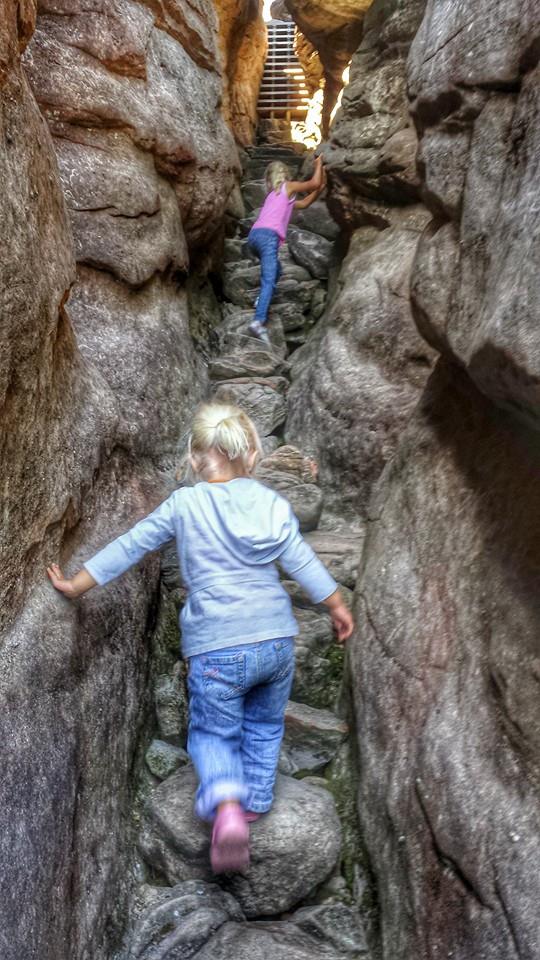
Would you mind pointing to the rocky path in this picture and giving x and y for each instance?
(297, 900)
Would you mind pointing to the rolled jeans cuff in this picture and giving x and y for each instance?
(209, 798)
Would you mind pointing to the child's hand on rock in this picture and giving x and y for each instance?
(342, 620)
(78, 585)
(59, 582)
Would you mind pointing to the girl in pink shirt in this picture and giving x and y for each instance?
(270, 229)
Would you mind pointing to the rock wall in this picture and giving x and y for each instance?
(358, 378)
(446, 660)
(98, 377)
(243, 43)
(334, 29)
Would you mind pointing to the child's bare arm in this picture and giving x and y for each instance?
(307, 201)
(307, 186)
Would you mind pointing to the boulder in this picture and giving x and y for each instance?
(291, 315)
(293, 475)
(311, 251)
(250, 363)
(336, 924)
(254, 194)
(334, 27)
(339, 553)
(233, 250)
(466, 300)
(125, 334)
(263, 399)
(306, 499)
(360, 373)
(72, 676)
(163, 759)
(293, 848)
(317, 219)
(260, 941)
(178, 921)
(312, 739)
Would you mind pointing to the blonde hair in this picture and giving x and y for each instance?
(224, 429)
(276, 174)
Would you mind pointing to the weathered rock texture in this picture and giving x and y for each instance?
(243, 45)
(359, 376)
(95, 390)
(293, 848)
(446, 664)
(371, 154)
(334, 28)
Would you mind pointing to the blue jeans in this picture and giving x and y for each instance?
(265, 244)
(237, 700)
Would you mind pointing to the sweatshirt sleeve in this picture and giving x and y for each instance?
(125, 551)
(301, 563)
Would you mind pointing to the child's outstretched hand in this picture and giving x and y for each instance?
(59, 581)
(79, 584)
(342, 620)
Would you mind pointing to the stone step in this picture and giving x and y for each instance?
(262, 398)
(293, 476)
(241, 283)
(301, 829)
(233, 335)
(312, 739)
(200, 920)
(250, 363)
(339, 552)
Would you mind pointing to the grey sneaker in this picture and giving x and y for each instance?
(258, 330)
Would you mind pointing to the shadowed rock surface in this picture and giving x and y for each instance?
(445, 672)
(360, 373)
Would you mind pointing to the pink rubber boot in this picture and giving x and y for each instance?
(251, 817)
(229, 852)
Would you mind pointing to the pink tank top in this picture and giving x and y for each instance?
(276, 212)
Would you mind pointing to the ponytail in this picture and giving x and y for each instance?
(225, 429)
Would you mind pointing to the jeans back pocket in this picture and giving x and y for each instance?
(224, 674)
(284, 651)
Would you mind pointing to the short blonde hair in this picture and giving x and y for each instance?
(225, 429)
(276, 173)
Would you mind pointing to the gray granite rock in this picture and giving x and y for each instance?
(254, 194)
(293, 476)
(268, 941)
(254, 362)
(163, 759)
(263, 399)
(170, 701)
(179, 920)
(317, 219)
(358, 377)
(233, 335)
(339, 552)
(312, 739)
(311, 251)
(293, 848)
